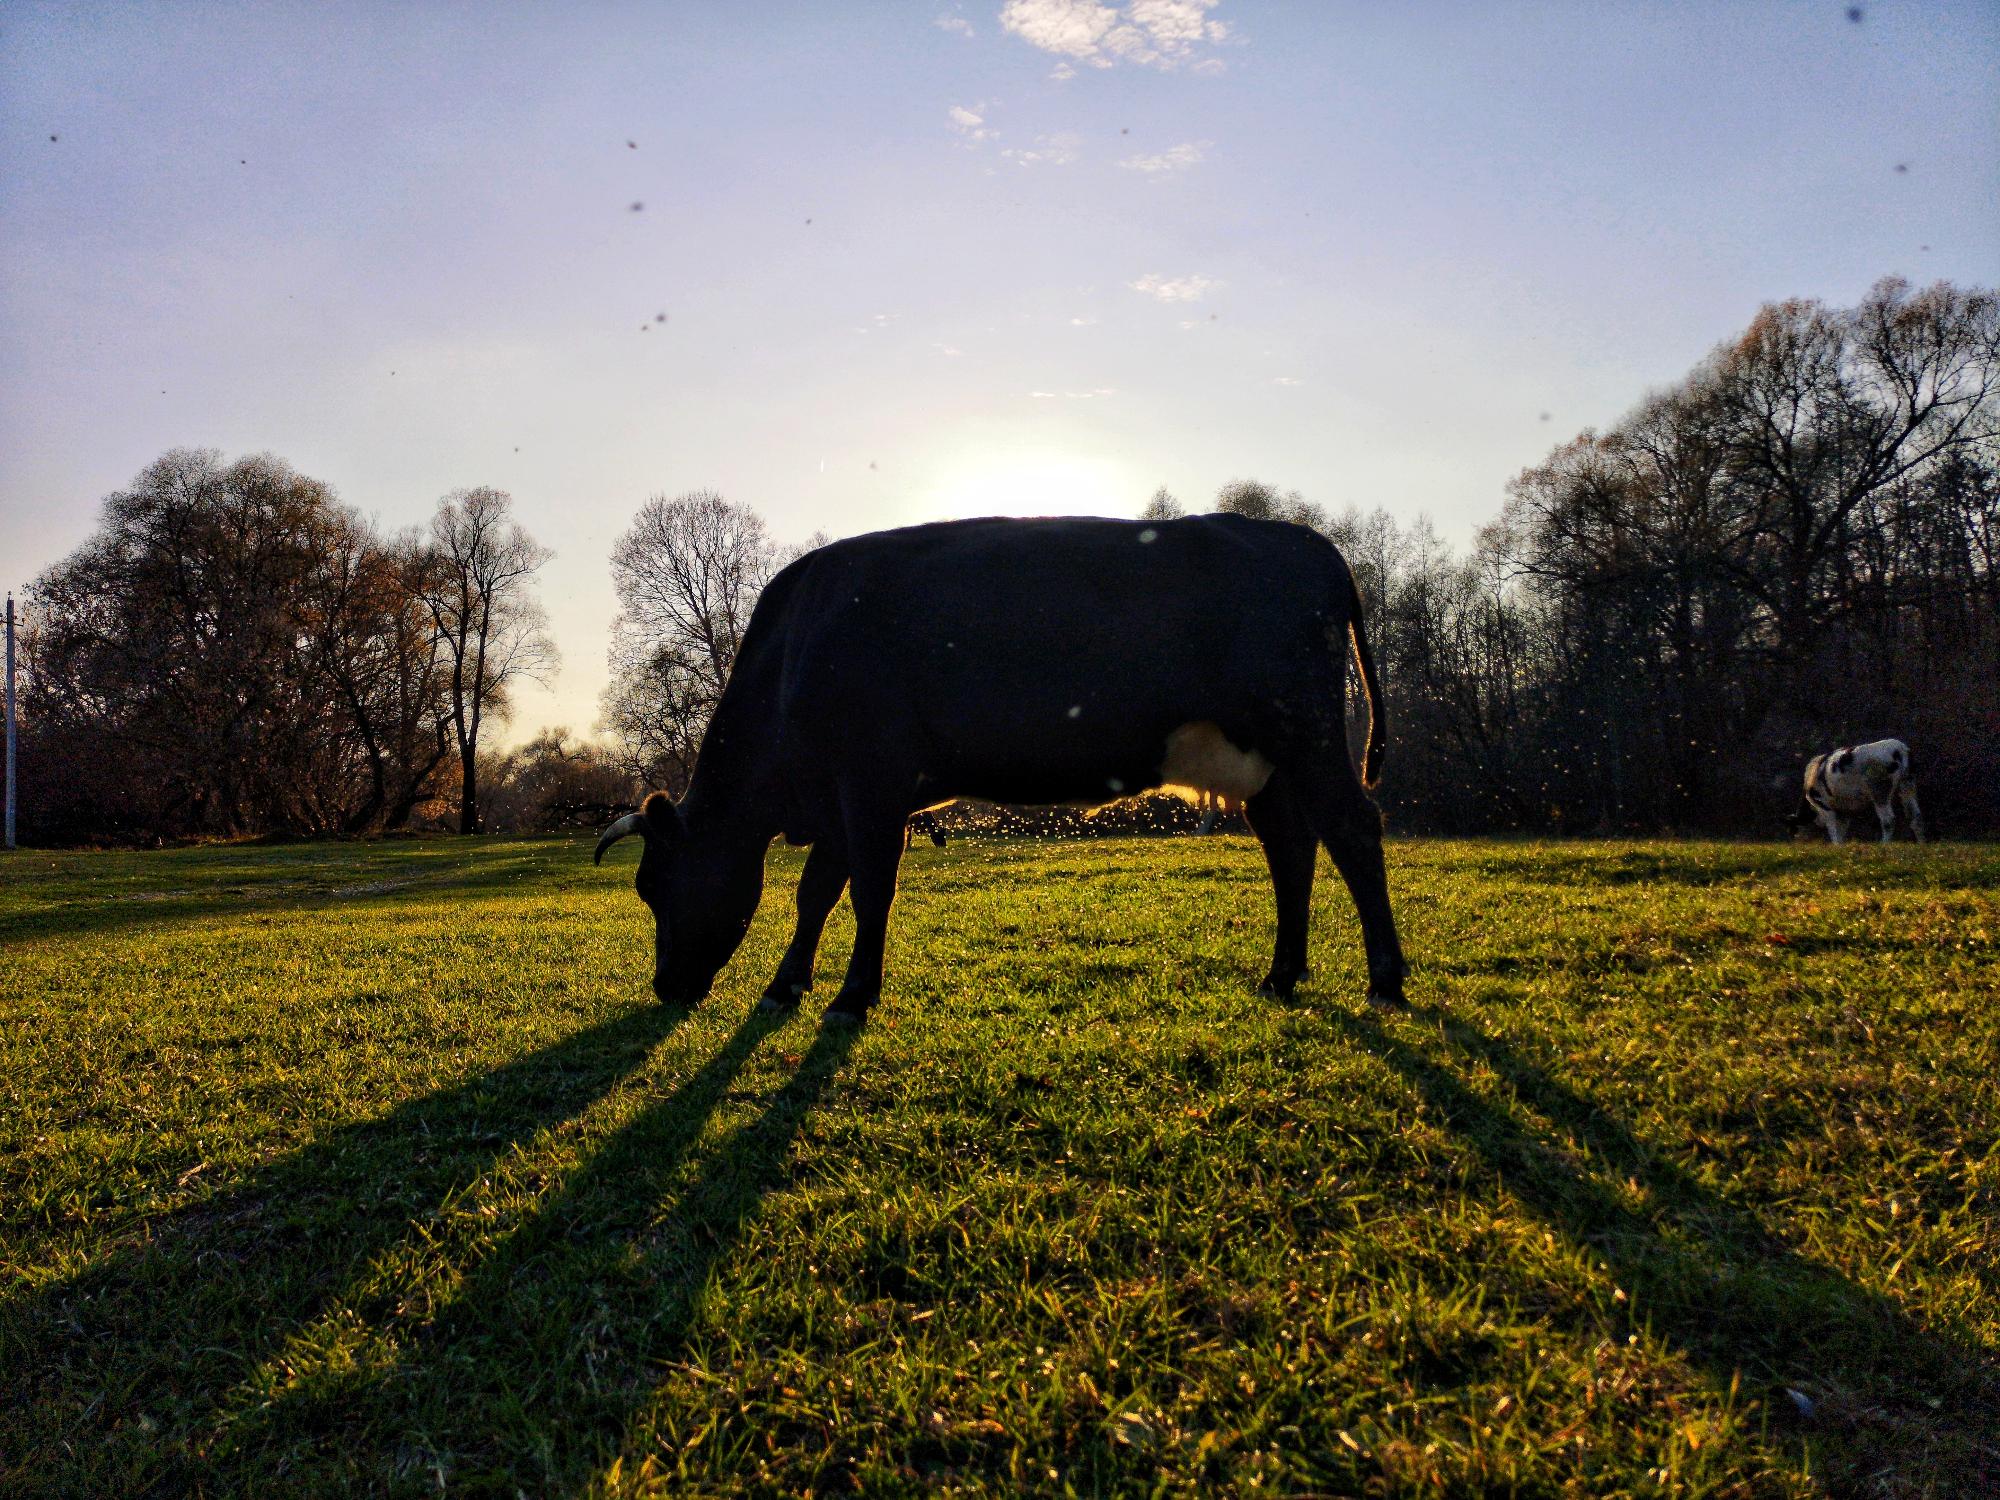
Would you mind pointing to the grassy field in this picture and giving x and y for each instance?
(372, 1169)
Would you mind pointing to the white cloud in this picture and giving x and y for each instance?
(949, 349)
(1081, 322)
(1286, 380)
(1177, 26)
(1056, 150)
(1174, 288)
(1068, 28)
(956, 25)
(1173, 159)
(1162, 34)
(970, 123)
(1103, 390)
(1062, 72)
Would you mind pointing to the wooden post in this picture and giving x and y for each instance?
(10, 721)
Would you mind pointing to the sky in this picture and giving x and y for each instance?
(868, 264)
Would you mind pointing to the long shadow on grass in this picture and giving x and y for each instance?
(1704, 1274)
(112, 1380)
(528, 1380)
(1595, 866)
(271, 889)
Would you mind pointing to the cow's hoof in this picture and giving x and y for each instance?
(1382, 1000)
(1277, 986)
(775, 1003)
(846, 1012)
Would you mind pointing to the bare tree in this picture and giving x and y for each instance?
(1262, 502)
(1162, 507)
(1823, 408)
(476, 584)
(553, 781)
(1252, 498)
(688, 574)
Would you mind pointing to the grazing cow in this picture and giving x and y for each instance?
(1847, 781)
(1019, 661)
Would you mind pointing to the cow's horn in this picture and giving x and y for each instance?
(630, 823)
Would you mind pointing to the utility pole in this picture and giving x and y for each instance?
(10, 721)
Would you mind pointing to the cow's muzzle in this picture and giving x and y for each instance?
(680, 995)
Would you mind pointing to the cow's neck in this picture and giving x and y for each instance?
(733, 794)
(728, 796)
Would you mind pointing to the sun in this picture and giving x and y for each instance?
(1041, 482)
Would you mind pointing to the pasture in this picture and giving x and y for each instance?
(373, 1169)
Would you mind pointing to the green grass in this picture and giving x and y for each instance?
(371, 1169)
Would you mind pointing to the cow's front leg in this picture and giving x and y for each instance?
(1909, 796)
(820, 885)
(874, 849)
(1885, 814)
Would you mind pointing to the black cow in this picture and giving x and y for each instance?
(1029, 661)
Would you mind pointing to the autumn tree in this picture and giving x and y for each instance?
(231, 651)
(377, 648)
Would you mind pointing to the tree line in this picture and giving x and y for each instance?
(1795, 546)
(234, 651)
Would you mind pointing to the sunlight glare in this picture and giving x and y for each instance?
(1037, 483)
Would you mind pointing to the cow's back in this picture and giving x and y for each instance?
(1060, 644)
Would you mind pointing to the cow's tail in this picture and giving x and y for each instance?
(1364, 660)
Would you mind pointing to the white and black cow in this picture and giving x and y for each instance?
(1029, 661)
(1852, 780)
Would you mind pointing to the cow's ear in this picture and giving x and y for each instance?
(663, 819)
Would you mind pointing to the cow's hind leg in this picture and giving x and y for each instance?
(1351, 827)
(874, 839)
(1291, 850)
(1907, 794)
(820, 885)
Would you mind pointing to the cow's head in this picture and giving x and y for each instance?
(702, 891)
(1805, 816)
